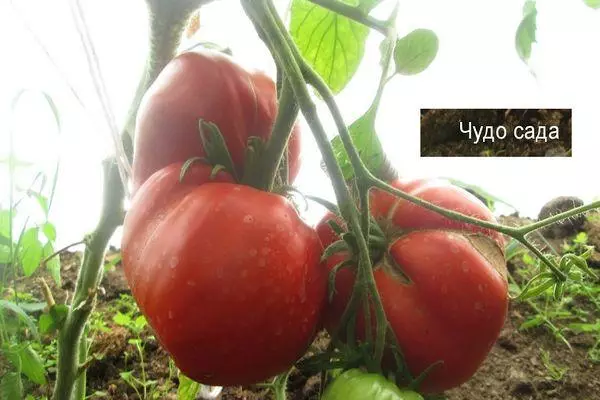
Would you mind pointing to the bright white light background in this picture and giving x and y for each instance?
(476, 67)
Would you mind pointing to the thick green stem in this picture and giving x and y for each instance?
(70, 335)
(507, 230)
(167, 21)
(354, 13)
(277, 144)
(283, 49)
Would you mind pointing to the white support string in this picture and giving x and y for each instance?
(100, 87)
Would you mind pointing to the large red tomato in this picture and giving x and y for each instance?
(206, 85)
(229, 277)
(454, 305)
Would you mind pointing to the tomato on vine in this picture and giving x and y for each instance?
(207, 85)
(442, 282)
(228, 276)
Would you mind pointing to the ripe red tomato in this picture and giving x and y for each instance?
(229, 277)
(206, 85)
(456, 302)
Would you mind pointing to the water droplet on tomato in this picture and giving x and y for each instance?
(170, 314)
(173, 262)
(248, 219)
(252, 252)
(191, 283)
(480, 287)
(244, 273)
(478, 306)
(279, 227)
(454, 249)
(444, 288)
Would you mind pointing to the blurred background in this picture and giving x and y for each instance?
(476, 67)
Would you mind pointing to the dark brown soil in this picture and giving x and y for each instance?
(515, 368)
(441, 135)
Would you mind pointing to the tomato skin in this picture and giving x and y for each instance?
(208, 85)
(229, 277)
(355, 384)
(456, 304)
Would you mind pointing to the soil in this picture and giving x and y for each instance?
(441, 135)
(514, 369)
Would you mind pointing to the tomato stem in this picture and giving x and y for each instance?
(354, 13)
(263, 14)
(72, 344)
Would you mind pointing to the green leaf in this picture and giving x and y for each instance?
(46, 324)
(332, 44)
(188, 389)
(53, 264)
(122, 319)
(366, 142)
(32, 365)
(525, 36)
(11, 387)
(5, 224)
(532, 322)
(6, 305)
(528, 7)
(49, 231)
(30, 251)
(140, 323)
(481, 192)
(414, 52)
(595, 4)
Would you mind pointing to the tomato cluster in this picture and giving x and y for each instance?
(230, 277)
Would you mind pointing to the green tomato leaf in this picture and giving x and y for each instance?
(32, 365)
(46, 324)
(414, 52)
(366, 142)
(525, 36)
(5, 224)
(53, 264)
(11, 387)
(332, 44)
(49, 231)
(188, 389)
(30, 251)
(595, 4)
(6, 305)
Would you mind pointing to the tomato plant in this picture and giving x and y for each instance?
(228, 276)
(442, 282)
(355, 384)
(207, 85)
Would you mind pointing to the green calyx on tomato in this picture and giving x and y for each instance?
(355, 384)
(229, 277)
(210, 86)
(453, 302)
